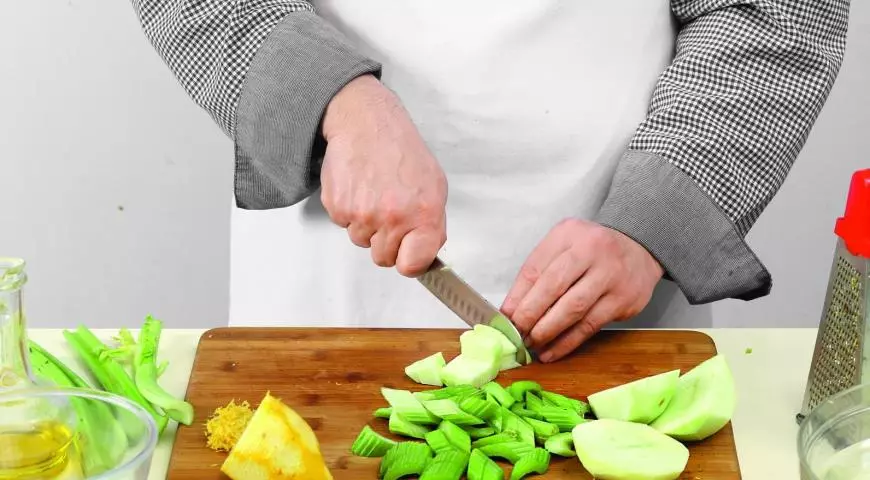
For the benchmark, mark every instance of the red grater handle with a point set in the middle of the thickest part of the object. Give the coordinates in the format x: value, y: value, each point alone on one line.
x: 854, y: 226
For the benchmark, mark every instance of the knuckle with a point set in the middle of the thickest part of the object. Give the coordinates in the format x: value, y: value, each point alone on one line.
x: 577, y: 304
x: 530, y: 273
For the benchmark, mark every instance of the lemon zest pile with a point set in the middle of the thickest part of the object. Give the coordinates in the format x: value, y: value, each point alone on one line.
x: 225, y: 426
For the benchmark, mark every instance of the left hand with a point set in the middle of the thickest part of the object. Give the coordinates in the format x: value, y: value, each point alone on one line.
x: 579, y: 278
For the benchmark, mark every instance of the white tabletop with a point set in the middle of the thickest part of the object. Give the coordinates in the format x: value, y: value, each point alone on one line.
x: 770, y: 384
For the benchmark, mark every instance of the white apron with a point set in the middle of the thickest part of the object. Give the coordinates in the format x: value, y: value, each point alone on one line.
x: 527, y: 106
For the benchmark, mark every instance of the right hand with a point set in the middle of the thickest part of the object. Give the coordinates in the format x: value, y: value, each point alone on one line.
x: 379, y: 180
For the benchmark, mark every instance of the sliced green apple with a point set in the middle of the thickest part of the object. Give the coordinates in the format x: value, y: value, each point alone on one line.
x: 620, y: 450
x: 427, y: 371
x: 640, y: 401
x: 702, y: 404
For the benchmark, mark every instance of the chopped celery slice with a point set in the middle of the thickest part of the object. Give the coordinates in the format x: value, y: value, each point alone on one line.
x: 447, y: 409
x: 400, y: 426
x: 481, y: 467
x: 408, y: 406
x: 500, y: 394
x: 561, y: 444
x: 537, y: 461
x: 427, y: 371
x: 456, y: 435
x: 533, y: 402
x: 383, y: 412
x: 562, y: 401
x: 466, y: 370
x: 513, y: 422
x: 523, y: 412
x: 370, y: 443
x: 446, y: 392
x: 406, y: 458
x: 449, y: 465
x: 543, y: 430
x: 510, y: 451
x: 497, y: 438
x: 564, y: 418
x: 479, y: 432
x: 479, y: 407
x: 438, y: 441
x: 519, y: 388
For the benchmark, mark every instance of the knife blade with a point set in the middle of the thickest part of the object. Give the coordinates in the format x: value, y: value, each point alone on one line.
x: 448, y: 287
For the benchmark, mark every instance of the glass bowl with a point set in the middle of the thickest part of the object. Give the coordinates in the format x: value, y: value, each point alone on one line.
x: 834, y: 439
x: 73, y: 434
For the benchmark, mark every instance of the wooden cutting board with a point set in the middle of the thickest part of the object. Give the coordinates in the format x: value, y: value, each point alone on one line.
x: 333, y: 376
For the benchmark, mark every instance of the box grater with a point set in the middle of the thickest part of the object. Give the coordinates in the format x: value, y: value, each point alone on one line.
x: 842, y: 350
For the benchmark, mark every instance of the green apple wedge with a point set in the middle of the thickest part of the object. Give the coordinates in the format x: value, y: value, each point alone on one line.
x: 619, y: 450
x: 640, y: 401
x: 703, y: 403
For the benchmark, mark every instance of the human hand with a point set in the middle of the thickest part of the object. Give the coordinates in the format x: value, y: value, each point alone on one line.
x: 579, y: 278
x: 379, y: 180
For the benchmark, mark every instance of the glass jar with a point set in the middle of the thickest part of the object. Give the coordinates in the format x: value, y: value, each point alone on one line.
x: 15, y: 371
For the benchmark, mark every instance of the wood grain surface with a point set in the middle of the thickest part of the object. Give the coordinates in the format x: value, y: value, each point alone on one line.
x: 333, y: 376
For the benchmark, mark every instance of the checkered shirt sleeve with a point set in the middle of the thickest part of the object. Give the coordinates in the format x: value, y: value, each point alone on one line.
x: 736, y: 105
x: 209, y: 44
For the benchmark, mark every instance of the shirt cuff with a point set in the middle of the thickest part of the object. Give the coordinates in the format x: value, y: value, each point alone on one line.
x: 700, y: 249
x: 301, y: 65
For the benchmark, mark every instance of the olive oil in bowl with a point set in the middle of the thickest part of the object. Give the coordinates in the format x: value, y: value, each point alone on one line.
x: 47, y: 450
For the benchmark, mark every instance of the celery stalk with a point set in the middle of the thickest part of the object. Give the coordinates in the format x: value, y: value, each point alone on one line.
x: 370, y: 443
x: 109, y: 373
x: 561, y: 444
x: 438, y: 441
x: 456, y: 435
x: 406, y: 458
x: 401, y: 426
x: 510, y: 451
x: 537, y: 461
x: 449, y: 465
x: 481, y: 467
x: 104, y: 438
x: 145, y: 371
x: 479, y: 432
x: 383, y: 412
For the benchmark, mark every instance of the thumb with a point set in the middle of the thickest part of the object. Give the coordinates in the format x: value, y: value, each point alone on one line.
x: 418, y: 250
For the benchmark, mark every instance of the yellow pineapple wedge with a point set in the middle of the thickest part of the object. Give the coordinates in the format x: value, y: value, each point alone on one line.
x: 277, y: 444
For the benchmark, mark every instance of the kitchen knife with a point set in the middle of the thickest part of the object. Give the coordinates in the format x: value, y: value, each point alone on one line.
x: 469, y: 305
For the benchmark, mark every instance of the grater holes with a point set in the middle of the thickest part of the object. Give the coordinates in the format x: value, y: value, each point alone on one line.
x: 837, y: 364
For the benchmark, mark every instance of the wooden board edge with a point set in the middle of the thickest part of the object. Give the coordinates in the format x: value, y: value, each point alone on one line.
x: 173, y: 456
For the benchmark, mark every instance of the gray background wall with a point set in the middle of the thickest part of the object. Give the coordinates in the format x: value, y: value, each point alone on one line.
x: 117, y: 188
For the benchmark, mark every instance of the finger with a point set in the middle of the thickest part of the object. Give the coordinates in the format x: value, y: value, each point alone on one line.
x: 418, y: 249
x: 360, y: 234
x: 385, y: 246
x: 542, y: 255
x: 569, y: 309
x: 599, y: 315
x: 555, y: 280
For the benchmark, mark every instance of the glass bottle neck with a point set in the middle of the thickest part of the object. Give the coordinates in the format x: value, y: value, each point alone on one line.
x: 14, y: 357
